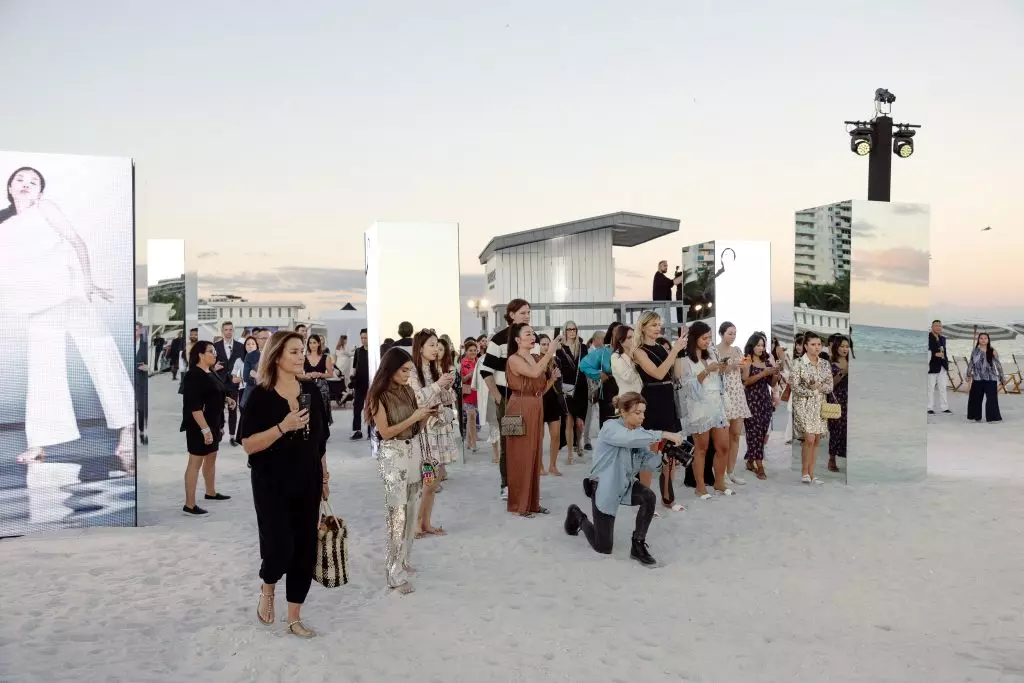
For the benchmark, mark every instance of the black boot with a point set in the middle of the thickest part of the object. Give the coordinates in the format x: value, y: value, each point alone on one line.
x: 588, y: 487
x: 572, y: 520
x: 640, y: 553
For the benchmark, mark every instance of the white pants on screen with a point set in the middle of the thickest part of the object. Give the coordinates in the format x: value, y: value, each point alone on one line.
x: 937, y: 384
x: 49, y: 414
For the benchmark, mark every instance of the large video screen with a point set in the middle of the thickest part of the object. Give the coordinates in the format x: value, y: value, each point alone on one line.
x: 67, y: 330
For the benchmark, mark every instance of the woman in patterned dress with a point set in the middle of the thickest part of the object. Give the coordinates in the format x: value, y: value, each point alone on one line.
x: 736, y: 408
x: 705, y: 409
x: 811, y: 382
x: 840, y: 354
x: 433, y: 389
x: 758, y: 377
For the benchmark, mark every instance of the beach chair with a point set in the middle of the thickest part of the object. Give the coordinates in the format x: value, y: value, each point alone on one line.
x: 955, y: 377
x: 1011, y: 381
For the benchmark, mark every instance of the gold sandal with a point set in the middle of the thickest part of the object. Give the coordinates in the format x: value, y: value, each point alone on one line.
x: 259, y: 612
x: 297, y: 628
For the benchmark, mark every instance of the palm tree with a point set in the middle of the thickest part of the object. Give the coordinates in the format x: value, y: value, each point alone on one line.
x: 831, y: 296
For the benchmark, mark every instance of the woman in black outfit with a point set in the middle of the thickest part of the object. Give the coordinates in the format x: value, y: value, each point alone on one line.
x: 286, y: 446
x: 574, y: 388
x: 317, y: 367
x: 202, y: 420
x: 554, y: 409
x: 655, y: 366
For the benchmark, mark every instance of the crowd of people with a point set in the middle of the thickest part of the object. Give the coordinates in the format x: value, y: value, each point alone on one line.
x: 661, y: 404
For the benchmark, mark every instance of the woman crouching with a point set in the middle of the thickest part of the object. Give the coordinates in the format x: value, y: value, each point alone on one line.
x: 623, y: 451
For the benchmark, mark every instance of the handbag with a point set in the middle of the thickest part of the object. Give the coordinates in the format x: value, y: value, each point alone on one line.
x: 831, y: 411
x: 331, y: 569
x: 513, y: 425
x: 429, y: 464
x: 786, y: 393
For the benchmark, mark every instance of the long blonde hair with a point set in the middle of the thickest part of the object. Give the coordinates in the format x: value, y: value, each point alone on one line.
x: 645, y: 319
x: 266, y: 374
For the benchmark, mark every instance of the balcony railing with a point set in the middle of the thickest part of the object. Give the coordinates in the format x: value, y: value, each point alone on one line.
x: 621, y: 311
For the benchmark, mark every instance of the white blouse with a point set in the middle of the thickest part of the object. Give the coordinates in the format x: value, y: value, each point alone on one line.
x: 625, y: 374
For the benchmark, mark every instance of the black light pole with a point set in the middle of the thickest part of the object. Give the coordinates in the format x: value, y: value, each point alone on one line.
x: 875, y: 139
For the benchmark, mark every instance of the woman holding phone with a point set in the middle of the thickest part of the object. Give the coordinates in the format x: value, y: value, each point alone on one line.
x: 287, y: 446
x: 811, y: 382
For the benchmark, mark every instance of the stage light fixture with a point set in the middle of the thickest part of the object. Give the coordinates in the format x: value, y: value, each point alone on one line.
x: 860, y: 141
x: 903, y: 142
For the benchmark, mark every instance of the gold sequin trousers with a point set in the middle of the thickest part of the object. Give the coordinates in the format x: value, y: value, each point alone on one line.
x: 398, y: 462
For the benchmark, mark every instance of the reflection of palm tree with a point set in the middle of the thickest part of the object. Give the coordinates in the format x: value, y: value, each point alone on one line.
x: 831, y: 296
x: 701, y: 289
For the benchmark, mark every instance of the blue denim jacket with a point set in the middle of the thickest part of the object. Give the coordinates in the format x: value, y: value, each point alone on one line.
x: 620, y: 455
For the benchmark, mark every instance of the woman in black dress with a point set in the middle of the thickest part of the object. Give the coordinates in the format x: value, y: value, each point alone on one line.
x: 286, y: 445
x: 655, y: 366
x: 574, y: 388
x: 202, y: 420
x: 317, y: 367
x: 554, y: 408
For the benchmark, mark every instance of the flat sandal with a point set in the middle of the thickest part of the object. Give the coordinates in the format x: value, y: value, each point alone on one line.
x: 297, y: 628
x: 259, y: 603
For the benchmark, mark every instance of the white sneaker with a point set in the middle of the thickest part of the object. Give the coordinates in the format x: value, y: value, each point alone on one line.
x: 504, y: 493
x: 733, y: 479
x: 806, y: 479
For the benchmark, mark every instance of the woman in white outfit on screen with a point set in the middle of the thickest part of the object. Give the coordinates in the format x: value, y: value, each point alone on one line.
x: 47, y: 281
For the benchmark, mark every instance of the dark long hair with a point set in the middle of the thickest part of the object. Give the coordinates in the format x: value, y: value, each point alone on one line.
x: 447, y: 357
x: 10, y: 211
x: 837, y: 341
x: 697, y: 330
x: 748, y: 349
x: 610, y: 334
x: 990, y: 352
x: 390, y: 363
x: 198, y: 349
x: 513, y: 337
x: 619, y: 338
x: 421, y: 338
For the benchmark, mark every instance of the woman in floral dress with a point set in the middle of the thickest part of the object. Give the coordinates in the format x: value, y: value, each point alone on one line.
x: 758, y: 377
x: 812, y: 382
x: 736, y: 408
x: 840, y: 355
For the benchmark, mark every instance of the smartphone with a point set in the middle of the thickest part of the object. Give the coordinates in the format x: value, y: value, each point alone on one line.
x: 558, y: 331
x: 304, y: 405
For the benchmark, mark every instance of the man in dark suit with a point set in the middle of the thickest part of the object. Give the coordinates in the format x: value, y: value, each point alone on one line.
x: 141, y: 384
x: 228, y: 351
x: 174, y: 353
x: 938, y: 369
x: 360, y: 383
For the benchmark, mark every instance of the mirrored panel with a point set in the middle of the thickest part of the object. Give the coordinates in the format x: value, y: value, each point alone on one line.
x: 400, y: 304
x: 821, y: 357
x: 889, y: 320
x: 67, y: 313
x: 165, y: 317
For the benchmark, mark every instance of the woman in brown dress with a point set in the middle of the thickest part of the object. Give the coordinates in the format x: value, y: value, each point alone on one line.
x: 527, y: 380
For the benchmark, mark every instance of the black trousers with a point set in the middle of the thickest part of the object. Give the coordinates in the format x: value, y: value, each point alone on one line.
x: 989, y: 391
x: 709, y: 466
x: 358, y: 399
x: 286, y: 495
x: 233, y: 412
x: 502, y: 462
x: 601, y: 532
x: 142, y: 404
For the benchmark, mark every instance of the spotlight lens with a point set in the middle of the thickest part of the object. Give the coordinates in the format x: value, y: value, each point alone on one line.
x: 905, y: 150
x: 863, y: 148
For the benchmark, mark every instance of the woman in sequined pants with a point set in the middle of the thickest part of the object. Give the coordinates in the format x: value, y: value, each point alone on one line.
x: 391, y: 406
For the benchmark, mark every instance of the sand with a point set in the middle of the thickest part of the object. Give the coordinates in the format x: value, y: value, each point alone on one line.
x: 781, y: 583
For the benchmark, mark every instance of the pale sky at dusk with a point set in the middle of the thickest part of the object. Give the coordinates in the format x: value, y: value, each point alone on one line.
x: 271, y: 135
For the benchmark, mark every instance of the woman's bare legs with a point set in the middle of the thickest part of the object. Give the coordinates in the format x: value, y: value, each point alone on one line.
x: 195, y: 463
x: 210, y: 474
x: 426, y: 508
x: 570, y: 437
x: 700, y: 451
x: 808, y: 451
x: 735, y: 430
x: 471, y: 428
x: 553, y: 448
x: 722, y: 446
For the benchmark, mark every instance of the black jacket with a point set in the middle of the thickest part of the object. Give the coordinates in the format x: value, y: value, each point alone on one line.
x: 361, y: 369
x: 936, y: 344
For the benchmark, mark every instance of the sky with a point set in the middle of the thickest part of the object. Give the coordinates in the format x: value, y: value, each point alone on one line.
x: 269, y: 135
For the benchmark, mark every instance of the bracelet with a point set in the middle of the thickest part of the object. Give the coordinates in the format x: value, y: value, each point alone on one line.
x: 279, y: 429
x: 204, y: 430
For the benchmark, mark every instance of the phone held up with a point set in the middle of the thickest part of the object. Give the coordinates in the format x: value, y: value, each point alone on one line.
x: 304, y: 405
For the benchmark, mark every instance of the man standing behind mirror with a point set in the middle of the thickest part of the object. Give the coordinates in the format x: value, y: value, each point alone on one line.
x: 141, y: 384
x: 663, y: 284
x: 938, y: 369
x: 360, y: 382
x: 229, y: 351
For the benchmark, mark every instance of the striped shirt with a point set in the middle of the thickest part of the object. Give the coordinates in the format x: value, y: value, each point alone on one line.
x: 495, y: 359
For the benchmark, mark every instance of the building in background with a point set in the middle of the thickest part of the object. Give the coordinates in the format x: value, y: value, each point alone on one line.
x: 168, y: 287
x: 822, y: 253
x: 564, y: 264
x: 244, y: 314
x: 697, y: 257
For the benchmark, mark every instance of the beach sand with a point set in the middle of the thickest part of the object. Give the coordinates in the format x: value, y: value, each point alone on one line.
x: 783, y: 582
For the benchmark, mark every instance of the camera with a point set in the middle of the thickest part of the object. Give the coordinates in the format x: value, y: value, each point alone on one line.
x: 682, y: 454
